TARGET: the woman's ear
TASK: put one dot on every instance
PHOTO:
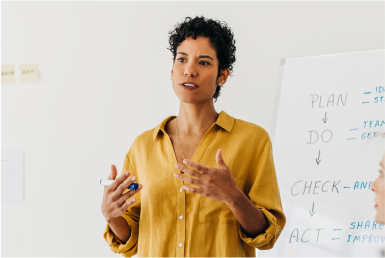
(223, 77)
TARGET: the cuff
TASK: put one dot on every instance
(267, 239)
(129, 248)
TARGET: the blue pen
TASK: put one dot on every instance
(107, 182)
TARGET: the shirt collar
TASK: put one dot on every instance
(224, 120)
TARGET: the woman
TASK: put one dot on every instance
(209, 183)
(378, 187)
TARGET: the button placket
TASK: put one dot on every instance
(181, 226)
(181, 198)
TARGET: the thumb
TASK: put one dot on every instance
(221, 163)
(113, 173)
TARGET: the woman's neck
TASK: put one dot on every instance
(196, 119)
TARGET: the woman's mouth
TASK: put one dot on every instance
(189, 86)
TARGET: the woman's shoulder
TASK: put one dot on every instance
(251, 136)
(240, 127)
(148, 137)
(140, 145)
(249, 130)
(144, 138)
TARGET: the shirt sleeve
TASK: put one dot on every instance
(131, 216)
(264, 193)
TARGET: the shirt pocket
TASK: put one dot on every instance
(211, 211)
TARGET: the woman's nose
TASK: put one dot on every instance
(372, 187)
(190, 70)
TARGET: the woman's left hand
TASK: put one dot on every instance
(214, 183)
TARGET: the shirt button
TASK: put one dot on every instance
(180, 244)
(180, 190)
(277, 229)
(180, 217)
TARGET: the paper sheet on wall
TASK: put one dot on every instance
(7, 73)
(28, 73)
(12, 176)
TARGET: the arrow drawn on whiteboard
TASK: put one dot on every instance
(312, 211)
(325, 120)
(318, 160)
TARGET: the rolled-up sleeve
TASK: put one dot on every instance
(131, 216)
(264, 193)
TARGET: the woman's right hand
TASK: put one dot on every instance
(114, 202)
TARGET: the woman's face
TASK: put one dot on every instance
(378, 187)
(196, 62)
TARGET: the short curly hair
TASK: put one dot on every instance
(219, 34)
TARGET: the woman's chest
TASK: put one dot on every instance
(184, 148)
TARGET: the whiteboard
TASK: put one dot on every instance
(327, 150)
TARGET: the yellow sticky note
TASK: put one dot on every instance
(7, 73)
(28, 73)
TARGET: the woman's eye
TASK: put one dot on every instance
(181, 59)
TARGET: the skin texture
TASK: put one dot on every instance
(197, 60)
(196, 116)
(115, 203)
(378, 187)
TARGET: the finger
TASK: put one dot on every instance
(123, 187)
(190, 172)
(113, 173)
(127, 204)
(127, 183)
(129, 194)
(119, 180)
(221, 163)
(112, 176)
(196, 166)
(194, 190)
(189, 180)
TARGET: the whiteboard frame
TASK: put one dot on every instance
(277, 99)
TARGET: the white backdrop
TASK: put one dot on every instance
(104, 79)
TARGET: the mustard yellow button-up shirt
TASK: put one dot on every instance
(166, 220)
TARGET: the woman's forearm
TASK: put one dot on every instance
(252, 219)
(120, 228)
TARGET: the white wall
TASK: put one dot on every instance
(104, 79)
